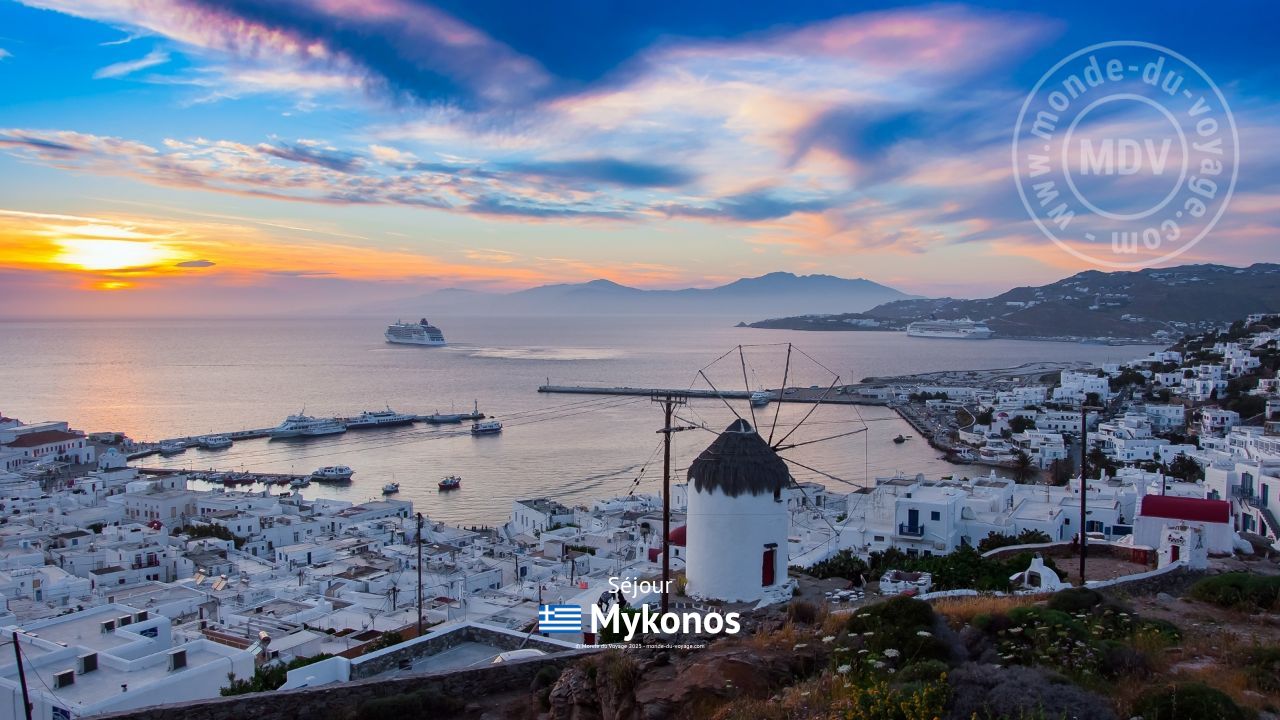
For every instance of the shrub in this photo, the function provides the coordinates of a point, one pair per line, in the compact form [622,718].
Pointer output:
[1239,590]
[923,671]
[843,564]
[1188,701]
[995,540]
[990,692]
[1075,599]
[390,638]
[1264,669]
[802,613]
[897,632]
[1121,660]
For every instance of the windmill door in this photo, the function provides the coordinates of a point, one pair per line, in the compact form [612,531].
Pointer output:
[767,567]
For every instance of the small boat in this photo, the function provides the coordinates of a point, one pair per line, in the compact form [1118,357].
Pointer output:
[486,427]
[761,397]
[299,482]
[215,442]
[333,473]
[899,440]
[453,482]
[171,448]
[391,488]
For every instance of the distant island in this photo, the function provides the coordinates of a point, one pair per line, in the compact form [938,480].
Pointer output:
[1152,305]
[777,292]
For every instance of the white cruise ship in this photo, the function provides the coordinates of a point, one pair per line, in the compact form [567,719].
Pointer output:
[954,329]
[419,333]
[379,418]
[306,426]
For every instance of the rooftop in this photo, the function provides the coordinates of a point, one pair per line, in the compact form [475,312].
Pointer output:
[43,437]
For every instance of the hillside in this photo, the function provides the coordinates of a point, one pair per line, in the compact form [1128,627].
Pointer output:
[1151,304]
[778,292]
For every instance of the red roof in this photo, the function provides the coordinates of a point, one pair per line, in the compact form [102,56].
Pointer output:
[1181,508]
[677,536]
[43,437]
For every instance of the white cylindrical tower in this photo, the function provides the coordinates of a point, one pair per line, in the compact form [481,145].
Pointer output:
[736,536]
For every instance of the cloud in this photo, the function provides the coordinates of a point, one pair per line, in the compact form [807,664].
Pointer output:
[5,54]
[607,170]
[751,207]
[121,69]
[309,151]
[196,264]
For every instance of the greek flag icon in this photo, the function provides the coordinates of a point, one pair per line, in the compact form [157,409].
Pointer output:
[559,618]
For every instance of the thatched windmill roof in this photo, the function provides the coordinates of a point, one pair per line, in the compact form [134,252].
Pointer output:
[739,462]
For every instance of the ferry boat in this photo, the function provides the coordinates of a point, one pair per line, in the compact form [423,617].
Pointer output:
[761,397]
[379,418]
[954,329]
[300,425]
[215,442]
[391,488]
[419,333]
[437,418]
[333,473]
[486,427]
[453,482]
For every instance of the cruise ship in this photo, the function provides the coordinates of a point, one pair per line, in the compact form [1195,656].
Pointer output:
[379,418]
[955,329]
[419,333]
[296,426]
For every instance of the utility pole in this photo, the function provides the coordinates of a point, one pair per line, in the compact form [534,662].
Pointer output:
[1084,481]
[669,403]
[22,677]
[419,539]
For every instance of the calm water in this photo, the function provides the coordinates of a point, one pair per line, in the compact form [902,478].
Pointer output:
[157,379]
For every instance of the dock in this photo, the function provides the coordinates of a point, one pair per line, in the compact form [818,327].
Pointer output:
[840,394]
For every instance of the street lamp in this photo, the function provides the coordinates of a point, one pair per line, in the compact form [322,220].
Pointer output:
[1084,481]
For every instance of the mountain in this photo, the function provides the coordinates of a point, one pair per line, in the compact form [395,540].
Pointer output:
[774,293]
[1151,304]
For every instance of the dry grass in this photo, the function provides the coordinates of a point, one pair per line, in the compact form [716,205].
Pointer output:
[961,611]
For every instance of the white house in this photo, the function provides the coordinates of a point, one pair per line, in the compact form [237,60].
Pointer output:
[1215,421]
[1156,513]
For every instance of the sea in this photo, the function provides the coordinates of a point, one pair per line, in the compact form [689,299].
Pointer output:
[156,379]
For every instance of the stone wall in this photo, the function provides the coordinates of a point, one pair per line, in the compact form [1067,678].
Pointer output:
[435,643]
[333,702]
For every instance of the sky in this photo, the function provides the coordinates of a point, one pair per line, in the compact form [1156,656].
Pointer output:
[173,157]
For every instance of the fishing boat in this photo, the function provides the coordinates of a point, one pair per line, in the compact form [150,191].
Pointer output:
[333,473]
[299,482]
[391,488]
[171,447]
[761,397]
[453,482]
[899,440]
[486,427]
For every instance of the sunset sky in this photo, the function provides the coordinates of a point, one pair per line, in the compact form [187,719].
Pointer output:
[240,156]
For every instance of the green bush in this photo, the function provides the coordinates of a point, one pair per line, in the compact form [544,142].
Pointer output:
[1239,590]
[995,540]
[843,564]
[1075,600]
[269,677]
[897,632]
[1188,701]
[922,671]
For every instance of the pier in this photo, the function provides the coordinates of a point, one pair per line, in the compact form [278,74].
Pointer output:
[839,395]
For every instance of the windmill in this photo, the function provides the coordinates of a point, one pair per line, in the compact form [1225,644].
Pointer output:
[735,494]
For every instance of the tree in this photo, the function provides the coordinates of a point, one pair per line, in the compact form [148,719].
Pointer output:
[1092,398]
[995,540]
[1059,472]
[1099,462]
[390,638]
[1023,467]
[1185,468]
[1022,423]
[986,416]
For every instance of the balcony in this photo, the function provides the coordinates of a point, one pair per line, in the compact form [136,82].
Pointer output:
[910,530]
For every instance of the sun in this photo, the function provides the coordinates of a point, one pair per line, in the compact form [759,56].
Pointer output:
[112,254]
